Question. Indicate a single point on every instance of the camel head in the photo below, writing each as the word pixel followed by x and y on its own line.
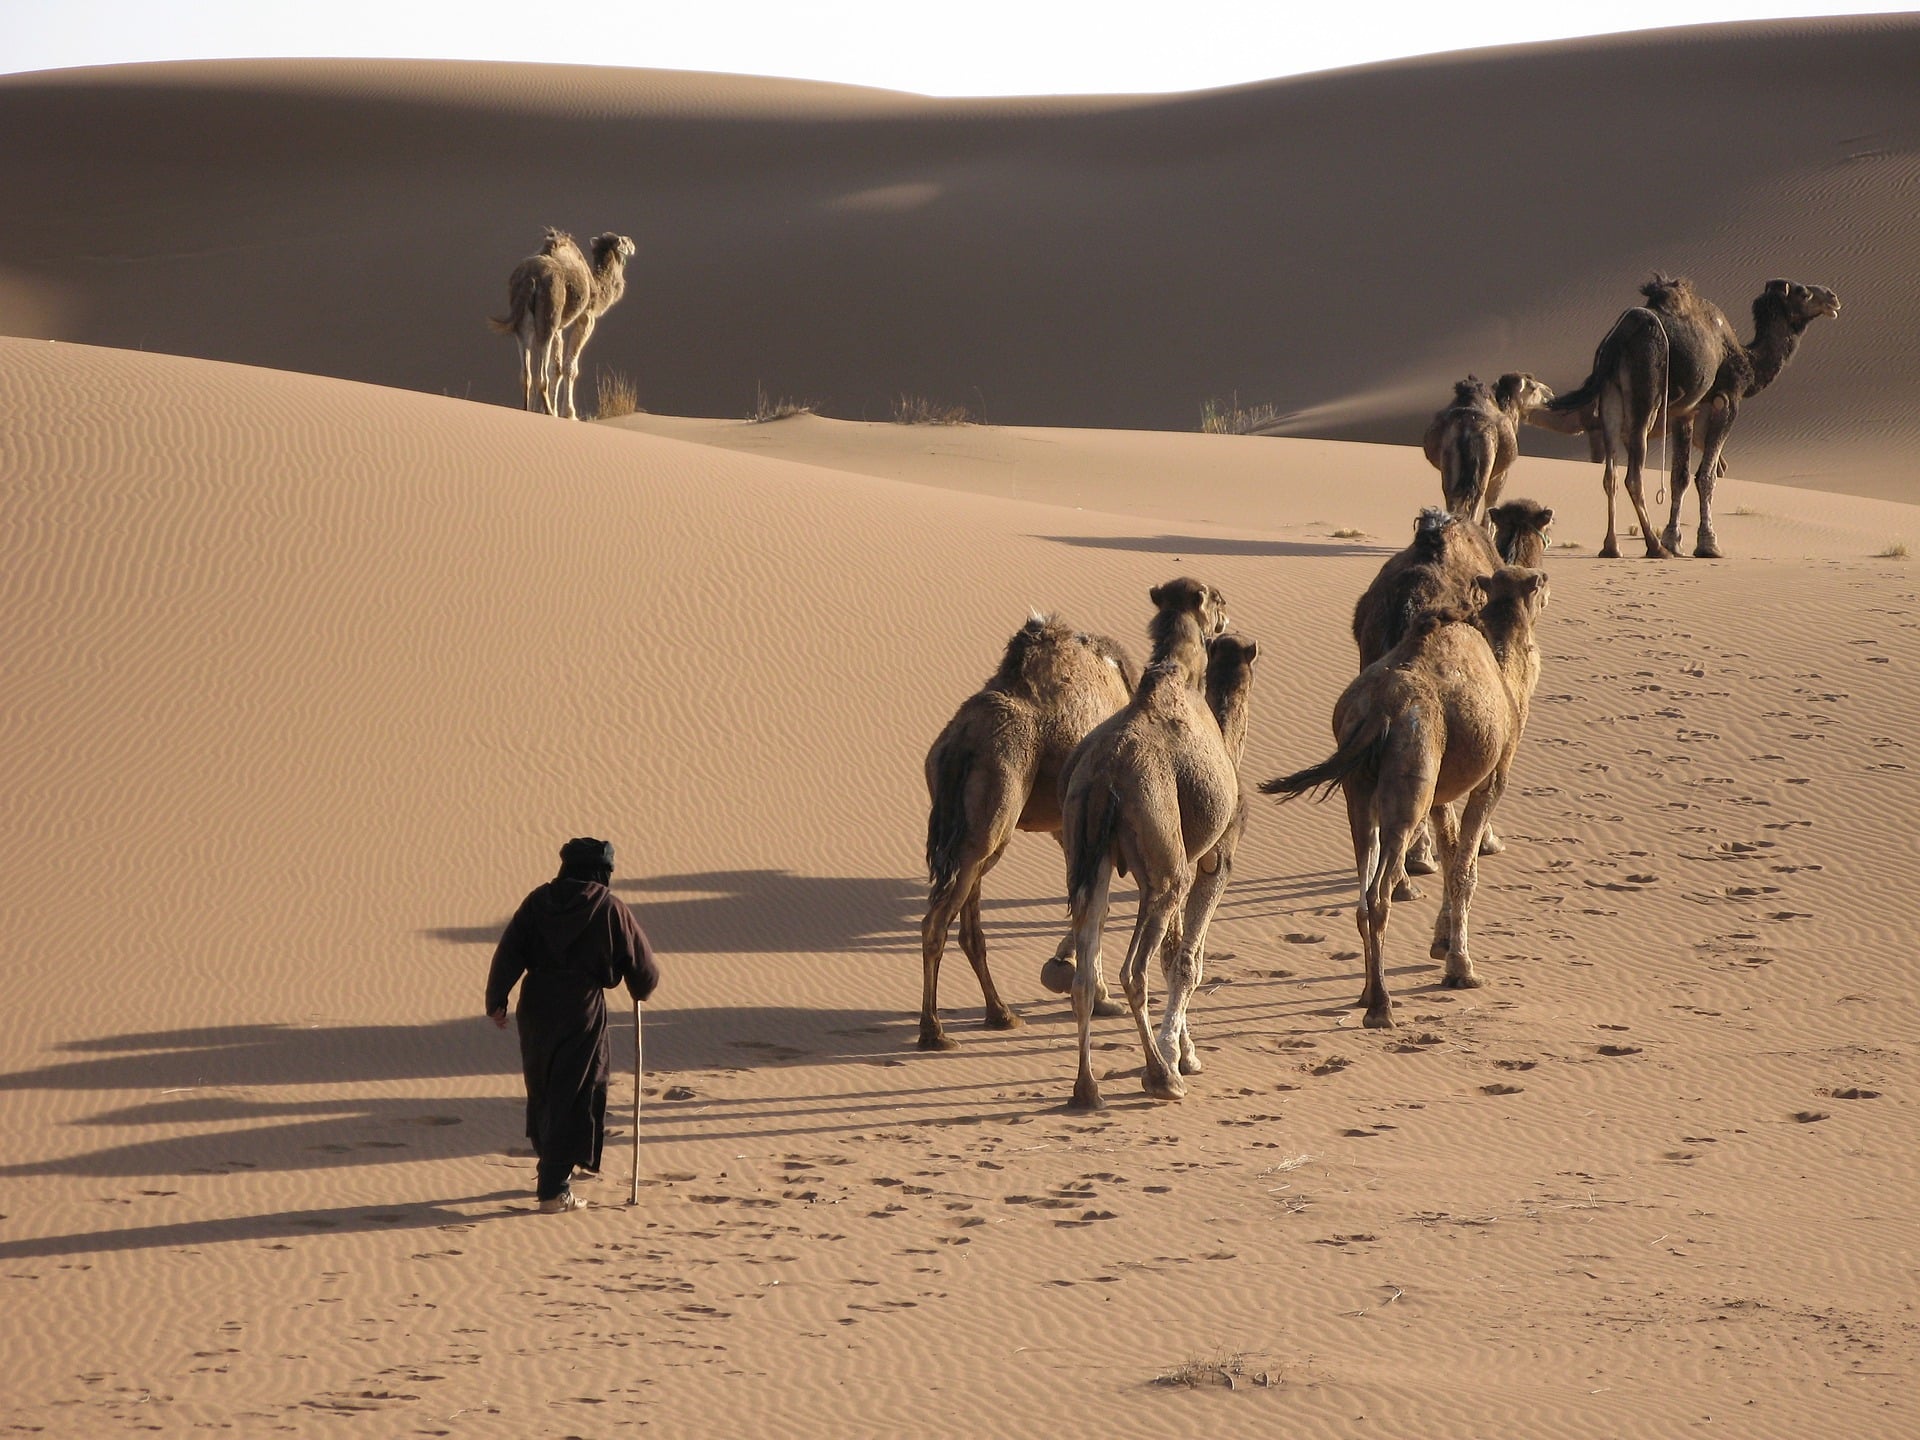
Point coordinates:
pixel 1520 531
pixel 606 244
pixel 1798 305
pixel 1512 590
pixel 1229 667
pixel 1520 393
pixel 1187 595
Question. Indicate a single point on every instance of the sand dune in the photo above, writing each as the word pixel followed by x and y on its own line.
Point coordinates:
pixel 1342 246
pixel 309 677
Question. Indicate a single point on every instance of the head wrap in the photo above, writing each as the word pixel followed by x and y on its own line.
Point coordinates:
pixel 585 858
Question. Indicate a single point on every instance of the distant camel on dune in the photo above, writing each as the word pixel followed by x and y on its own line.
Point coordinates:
pixel 1474 441
pixel 1435 720
pixel 1155 792
pixel 1675 360
pixel 555 292
pixel 1441 571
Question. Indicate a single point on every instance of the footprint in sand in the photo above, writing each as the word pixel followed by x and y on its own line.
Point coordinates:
pixel 1851 1092
pixel 1616 1050
pixel 1808 1117
pixel 1500 1088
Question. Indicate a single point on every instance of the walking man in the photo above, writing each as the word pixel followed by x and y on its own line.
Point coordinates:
pixel 573 939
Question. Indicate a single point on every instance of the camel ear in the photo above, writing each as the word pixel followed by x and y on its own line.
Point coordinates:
pixel 1253 651
pixel 1157 595
pixel 1536 581
pixel 1484 584
pixel 1546 518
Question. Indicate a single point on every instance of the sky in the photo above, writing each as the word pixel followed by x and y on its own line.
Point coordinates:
pixel 976 47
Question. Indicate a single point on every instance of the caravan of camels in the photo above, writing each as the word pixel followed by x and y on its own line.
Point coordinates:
pixel 1136 773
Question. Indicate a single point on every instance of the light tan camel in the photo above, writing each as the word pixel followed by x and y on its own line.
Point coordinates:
pixel 1439 571
pixel 1188 615
pixel 555 293
pixel 995 769
pixel 1475 440
pixel 1675 360
pixel 1435 720
pixel 1155 792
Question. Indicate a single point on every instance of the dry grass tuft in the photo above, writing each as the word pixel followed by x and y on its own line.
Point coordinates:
pixel 1225 417
pixel 1229 1371
pixel 1349 534
pixel 614 395
pixel 1747 510
pixel 766 408
pixel 1895 551
pixel 919 410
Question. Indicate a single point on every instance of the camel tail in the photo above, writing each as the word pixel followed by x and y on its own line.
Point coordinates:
pixel 947 819
pixel 1359 756
pixel 1090 838
pixel 1575 399
pixel 519 296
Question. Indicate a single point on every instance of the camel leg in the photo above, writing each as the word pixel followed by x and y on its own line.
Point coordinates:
pixel 1679 443
pixel 583 332
pixel 1375 860
pixel 1159 902
pixel 550 372
pixel 933 943
pixel 1189 962
pixel 1056 974
pixel 1462 875
pixel 1088 923
pixel 1611 549
pixel 526 371
pixel 1446 830
pixel 973 943
pixel 1636 461
pixel 1713 444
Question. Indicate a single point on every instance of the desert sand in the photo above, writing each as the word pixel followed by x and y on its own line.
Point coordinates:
pixel 309 677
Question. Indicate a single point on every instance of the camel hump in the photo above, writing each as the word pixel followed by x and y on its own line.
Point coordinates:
pixel 1161 686
pixel 1471 391
pixel 1430 531
pixel 1668 292
pixel 1040 631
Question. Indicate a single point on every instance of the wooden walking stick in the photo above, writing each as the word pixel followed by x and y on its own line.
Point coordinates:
pixel 633 1191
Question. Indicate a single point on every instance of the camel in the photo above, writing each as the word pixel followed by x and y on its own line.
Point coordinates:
pixel 1155 791
pixel 1475 440
pixel 994 770
pixel 1188 615
pixel 998 765
pixel 1440 570
pixel 552 293
pixel 1435 720
pixel 1675 360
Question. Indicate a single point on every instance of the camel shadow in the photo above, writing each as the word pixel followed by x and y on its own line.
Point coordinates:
pixel 1209 545
pixel 270 1229
pixel 759 912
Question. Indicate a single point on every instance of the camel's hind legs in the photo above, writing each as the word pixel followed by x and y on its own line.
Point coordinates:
pixel 1375 857
pixel 1461 848
pixel 973 944
pixel 1089 920
pixel 1679 445
pixel 1188 964
pixel 1159 905
pixel 1056 974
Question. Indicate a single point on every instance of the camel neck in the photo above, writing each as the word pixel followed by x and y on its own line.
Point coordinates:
pixel 1178 640
pixel 1772 346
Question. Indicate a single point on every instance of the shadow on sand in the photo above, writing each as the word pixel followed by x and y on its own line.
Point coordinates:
pixel 1212 545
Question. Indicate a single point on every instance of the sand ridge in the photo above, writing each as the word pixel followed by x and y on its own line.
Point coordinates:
pixel 310 675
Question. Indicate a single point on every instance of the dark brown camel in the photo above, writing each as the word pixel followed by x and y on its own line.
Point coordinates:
pixel 1675 360
pixel 1435 720
pixel 556 292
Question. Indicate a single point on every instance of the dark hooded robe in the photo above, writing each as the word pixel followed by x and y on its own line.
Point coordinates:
pixel 573 940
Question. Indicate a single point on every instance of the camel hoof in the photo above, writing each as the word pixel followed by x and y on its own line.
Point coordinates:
pixel 1419 864
pixel 1657 551
pixel 1407 890
pixel 1671 540
pixel 936 1040
pixel 1609 551
pixel 1003 1020
pixel 1109 1008
pixel 1492 844
pixel 1087 1099
pixel 1162 1086
pixel 1467 981
pixel 1190 1065
pixel 1378 1020
pixel 1438 950
pixel 1057 976
pixel 1706 550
